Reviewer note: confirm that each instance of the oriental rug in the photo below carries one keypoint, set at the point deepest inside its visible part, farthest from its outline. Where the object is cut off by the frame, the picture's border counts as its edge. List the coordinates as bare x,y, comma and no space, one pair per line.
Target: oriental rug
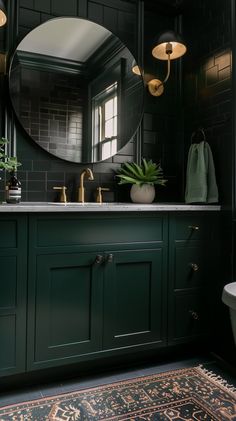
187,394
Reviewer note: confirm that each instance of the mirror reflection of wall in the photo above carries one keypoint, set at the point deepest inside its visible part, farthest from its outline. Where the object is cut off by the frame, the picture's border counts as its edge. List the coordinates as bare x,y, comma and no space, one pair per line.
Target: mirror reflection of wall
75,95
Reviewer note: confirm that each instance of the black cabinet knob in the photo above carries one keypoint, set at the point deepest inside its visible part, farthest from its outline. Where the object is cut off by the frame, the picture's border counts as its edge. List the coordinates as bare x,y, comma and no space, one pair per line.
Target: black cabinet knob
194,266
194,227
99,259
194,314
109,258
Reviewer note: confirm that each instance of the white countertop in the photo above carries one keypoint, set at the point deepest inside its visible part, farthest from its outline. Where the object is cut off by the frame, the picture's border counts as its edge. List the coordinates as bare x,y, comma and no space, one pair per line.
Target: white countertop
104,207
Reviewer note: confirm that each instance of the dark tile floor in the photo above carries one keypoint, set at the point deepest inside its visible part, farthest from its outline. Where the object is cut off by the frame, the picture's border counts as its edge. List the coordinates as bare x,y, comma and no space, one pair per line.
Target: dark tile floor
44,390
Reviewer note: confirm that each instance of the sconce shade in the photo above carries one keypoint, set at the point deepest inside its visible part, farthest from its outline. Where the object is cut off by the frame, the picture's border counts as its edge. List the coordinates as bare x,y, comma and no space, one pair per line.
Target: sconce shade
3,14
165,40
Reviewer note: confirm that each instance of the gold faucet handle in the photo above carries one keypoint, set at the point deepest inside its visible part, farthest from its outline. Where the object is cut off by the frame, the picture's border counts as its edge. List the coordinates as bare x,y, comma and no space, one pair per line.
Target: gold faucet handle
63,189
99,193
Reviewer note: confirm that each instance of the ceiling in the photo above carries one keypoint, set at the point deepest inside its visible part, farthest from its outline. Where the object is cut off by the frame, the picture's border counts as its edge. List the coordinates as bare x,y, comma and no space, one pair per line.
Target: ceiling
68,38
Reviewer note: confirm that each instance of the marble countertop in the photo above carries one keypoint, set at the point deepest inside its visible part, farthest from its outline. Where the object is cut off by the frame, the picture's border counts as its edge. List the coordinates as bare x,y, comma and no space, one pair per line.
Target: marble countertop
104,207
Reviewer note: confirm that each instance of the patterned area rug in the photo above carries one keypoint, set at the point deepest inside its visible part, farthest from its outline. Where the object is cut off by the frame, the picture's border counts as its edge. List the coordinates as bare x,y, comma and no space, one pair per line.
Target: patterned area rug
187,394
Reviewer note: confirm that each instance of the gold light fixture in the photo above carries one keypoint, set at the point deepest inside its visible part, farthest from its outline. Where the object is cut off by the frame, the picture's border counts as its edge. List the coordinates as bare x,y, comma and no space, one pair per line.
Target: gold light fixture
3,15
168,46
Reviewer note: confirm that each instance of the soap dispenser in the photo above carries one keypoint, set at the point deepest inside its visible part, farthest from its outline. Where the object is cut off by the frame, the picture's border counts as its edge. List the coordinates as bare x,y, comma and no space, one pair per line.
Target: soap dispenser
13,189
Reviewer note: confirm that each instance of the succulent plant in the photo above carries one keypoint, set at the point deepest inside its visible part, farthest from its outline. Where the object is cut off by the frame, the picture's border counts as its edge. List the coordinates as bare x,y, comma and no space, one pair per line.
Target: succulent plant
146,173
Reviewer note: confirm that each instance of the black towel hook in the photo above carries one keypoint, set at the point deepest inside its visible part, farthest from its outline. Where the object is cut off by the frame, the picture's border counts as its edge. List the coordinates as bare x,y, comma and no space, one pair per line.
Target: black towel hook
199,132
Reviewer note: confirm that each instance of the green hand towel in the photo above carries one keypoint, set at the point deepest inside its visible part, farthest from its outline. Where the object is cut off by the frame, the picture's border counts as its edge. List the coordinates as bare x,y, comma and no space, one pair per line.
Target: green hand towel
212,189
200,178
196,177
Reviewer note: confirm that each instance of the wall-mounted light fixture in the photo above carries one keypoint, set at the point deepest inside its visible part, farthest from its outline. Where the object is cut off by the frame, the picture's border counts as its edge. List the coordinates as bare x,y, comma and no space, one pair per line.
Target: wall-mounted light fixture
168,46
3,14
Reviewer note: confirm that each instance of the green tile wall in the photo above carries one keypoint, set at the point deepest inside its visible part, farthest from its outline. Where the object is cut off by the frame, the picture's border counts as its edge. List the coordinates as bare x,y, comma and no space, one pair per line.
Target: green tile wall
201,97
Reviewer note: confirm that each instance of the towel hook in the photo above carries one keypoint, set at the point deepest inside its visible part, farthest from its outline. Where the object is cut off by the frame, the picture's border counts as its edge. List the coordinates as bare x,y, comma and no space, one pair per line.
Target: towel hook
199,131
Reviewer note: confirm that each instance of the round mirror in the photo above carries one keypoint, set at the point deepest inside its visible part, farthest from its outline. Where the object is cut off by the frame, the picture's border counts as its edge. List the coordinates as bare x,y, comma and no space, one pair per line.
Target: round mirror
73,90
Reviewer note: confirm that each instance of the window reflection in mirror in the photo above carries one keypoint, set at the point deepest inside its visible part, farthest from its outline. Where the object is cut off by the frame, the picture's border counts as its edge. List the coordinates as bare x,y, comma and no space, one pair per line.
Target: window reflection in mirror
73,90
105,123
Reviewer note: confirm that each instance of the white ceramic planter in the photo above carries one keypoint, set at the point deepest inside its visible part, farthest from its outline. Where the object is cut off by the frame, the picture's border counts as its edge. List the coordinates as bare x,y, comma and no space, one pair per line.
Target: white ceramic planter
142,194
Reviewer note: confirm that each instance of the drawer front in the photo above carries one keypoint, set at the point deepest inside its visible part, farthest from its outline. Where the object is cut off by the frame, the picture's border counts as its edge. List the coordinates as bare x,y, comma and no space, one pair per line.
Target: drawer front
189,317
71,230
191,266
190,227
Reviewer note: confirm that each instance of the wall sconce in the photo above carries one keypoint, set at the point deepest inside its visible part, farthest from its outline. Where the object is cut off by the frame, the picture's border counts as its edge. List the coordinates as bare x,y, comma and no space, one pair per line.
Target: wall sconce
3,14
168,46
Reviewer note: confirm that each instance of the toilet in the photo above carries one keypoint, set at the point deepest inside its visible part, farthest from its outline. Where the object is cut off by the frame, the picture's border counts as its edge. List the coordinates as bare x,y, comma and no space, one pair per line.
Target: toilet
229,298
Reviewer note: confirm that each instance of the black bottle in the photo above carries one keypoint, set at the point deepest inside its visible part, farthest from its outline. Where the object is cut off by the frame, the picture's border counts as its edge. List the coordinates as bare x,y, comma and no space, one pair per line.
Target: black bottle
13,189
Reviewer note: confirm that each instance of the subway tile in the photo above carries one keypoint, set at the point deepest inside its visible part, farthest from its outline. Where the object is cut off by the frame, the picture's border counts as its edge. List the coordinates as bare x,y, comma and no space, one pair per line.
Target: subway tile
150,137
212,76
37,196
148,121
27,3
36,175
43,5
55,176
95,12
110,17
223,60
26,164
36,186
39,165
29,18
225,73
66,8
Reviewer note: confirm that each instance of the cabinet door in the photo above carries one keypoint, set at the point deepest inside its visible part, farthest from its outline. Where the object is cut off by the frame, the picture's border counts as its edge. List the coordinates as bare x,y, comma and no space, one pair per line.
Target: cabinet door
134,298
66,319
13,281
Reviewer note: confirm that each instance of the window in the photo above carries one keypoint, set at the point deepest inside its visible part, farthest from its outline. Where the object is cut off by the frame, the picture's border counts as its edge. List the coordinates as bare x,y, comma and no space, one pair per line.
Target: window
105,123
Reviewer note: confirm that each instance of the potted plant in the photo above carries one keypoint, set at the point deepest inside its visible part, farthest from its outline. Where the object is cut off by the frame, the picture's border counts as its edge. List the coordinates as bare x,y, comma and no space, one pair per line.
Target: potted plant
143,178
8,163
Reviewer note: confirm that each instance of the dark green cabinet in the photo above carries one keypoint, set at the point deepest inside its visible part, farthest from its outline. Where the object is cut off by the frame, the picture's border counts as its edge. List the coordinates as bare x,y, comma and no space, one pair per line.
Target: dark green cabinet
193,256
97,286
103,285
13,284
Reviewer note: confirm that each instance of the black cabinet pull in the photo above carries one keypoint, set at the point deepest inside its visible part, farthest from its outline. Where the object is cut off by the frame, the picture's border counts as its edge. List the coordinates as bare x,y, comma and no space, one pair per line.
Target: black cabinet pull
194,227
109,258
194,314
99,259
194,266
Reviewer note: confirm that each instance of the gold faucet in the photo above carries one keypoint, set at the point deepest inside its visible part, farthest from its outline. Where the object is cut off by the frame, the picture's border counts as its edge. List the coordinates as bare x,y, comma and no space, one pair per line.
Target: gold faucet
99,198
63,198
88,172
